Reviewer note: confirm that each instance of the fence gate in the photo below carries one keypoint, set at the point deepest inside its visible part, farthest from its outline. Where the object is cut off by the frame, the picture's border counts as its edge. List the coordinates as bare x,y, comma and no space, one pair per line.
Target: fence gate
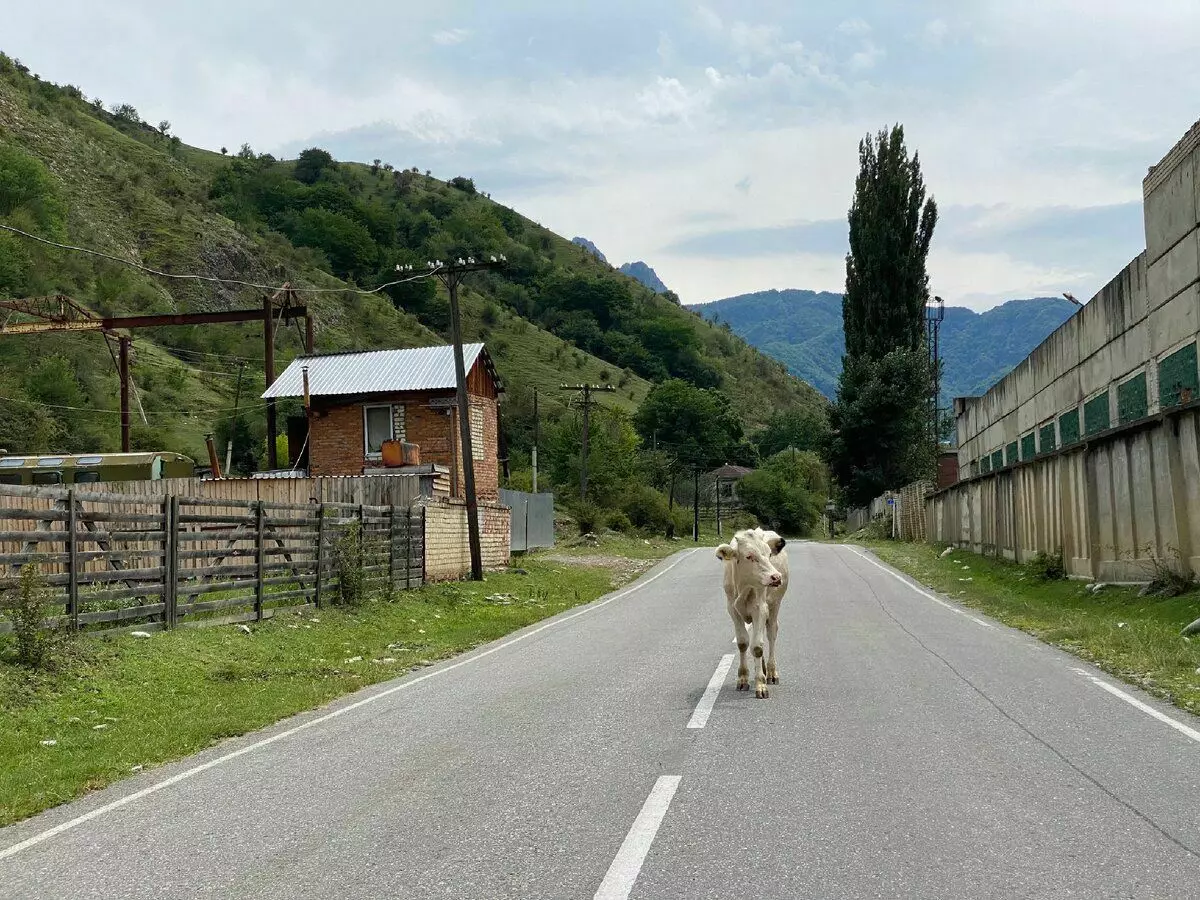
532,519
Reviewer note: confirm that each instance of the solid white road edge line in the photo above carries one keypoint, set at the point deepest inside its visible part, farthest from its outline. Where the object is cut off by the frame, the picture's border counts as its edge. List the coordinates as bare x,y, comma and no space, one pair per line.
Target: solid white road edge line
257,745
709,697
627,864
923,593
1144,707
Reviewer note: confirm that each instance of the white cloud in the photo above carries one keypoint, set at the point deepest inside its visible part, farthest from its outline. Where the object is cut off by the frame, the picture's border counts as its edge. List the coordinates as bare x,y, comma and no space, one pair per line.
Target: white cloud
854,27
867,57
935,31
451,36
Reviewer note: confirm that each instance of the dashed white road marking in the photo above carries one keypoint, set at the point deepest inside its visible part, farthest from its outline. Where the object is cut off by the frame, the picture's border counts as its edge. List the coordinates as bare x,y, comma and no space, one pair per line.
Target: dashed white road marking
627,864
923,593
709,697
1144,707
311,723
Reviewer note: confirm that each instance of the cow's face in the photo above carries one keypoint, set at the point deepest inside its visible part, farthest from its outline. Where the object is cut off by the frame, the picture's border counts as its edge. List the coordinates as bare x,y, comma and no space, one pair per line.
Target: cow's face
750,554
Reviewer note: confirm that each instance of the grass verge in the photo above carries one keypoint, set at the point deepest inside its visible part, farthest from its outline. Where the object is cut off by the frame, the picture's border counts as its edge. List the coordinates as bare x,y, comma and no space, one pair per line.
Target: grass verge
115,706
1134,638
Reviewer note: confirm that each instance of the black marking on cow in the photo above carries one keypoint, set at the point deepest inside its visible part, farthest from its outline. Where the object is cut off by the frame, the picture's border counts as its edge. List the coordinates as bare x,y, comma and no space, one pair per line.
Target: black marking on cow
758,652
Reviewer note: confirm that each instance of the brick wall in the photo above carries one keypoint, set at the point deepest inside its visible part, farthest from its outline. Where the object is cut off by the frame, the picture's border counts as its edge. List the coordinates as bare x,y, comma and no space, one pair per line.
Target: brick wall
336,439
447,550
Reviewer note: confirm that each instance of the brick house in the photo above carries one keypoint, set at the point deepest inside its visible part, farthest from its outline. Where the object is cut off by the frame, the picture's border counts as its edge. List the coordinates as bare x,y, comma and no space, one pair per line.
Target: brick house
359,400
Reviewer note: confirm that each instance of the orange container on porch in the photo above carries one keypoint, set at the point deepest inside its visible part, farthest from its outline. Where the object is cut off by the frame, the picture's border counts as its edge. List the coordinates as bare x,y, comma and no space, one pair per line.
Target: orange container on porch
400,453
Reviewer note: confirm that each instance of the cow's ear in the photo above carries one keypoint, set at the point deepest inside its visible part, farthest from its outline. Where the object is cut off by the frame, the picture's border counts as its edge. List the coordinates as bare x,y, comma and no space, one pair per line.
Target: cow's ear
775,542
725,551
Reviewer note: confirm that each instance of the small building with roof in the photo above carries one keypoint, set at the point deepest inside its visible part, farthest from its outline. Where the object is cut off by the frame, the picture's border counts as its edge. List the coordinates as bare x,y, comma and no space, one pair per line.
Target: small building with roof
360,400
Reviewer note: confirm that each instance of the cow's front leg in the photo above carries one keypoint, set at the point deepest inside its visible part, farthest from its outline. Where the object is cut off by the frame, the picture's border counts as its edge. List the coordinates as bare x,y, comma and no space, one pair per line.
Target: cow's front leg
758,626
742,635
772,639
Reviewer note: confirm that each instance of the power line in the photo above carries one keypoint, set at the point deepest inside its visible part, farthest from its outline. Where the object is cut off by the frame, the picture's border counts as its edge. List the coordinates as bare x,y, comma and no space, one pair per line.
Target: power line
116,412
211,278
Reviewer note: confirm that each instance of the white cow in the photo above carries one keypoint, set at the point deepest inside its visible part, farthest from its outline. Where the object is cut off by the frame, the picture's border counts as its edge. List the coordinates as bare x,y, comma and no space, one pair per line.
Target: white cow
756,577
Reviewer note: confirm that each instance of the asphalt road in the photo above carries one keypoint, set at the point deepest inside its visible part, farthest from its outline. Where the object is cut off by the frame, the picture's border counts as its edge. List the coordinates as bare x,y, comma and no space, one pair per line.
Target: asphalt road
912,749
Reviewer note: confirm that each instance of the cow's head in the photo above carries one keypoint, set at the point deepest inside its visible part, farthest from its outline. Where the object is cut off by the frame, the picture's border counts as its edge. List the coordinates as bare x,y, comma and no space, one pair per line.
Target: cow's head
750,553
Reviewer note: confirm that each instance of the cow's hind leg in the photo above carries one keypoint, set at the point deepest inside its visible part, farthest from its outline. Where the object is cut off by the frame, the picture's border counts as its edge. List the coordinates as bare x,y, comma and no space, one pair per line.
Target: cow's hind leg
758,616
772,639
742,636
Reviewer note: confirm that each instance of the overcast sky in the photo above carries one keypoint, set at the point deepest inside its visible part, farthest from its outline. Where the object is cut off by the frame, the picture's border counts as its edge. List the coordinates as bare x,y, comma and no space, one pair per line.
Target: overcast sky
715,141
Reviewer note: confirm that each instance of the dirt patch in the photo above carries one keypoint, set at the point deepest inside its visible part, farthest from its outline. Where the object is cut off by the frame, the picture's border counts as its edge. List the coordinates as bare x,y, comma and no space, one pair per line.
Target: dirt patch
622,568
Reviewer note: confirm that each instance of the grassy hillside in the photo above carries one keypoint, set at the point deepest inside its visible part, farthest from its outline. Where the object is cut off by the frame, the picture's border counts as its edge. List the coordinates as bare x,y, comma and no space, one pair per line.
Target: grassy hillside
73,172
803,329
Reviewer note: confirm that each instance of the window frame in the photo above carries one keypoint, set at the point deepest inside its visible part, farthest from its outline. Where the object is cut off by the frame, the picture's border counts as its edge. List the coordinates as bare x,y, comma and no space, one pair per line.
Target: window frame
391,422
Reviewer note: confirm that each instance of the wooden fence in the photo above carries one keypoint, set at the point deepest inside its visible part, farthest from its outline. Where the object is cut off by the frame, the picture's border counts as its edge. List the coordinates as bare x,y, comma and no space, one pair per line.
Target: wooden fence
113,560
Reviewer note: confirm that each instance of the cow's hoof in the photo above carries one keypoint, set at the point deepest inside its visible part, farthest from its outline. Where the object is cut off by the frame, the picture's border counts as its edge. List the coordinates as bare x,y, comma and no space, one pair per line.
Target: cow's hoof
773,679
743,686
760,691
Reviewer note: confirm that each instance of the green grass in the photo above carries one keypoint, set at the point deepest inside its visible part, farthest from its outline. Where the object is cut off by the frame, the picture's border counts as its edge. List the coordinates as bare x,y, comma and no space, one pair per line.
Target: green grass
1134,638
170,695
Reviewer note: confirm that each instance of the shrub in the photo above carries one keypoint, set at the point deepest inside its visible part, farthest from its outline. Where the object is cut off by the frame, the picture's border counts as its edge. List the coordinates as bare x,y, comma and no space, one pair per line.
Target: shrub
1169,580
24,603
348,563
586,515
1048,566
617,520
646,508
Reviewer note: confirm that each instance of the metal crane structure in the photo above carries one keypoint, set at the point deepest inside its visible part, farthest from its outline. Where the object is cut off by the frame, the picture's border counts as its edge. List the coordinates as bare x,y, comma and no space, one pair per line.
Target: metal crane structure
59,313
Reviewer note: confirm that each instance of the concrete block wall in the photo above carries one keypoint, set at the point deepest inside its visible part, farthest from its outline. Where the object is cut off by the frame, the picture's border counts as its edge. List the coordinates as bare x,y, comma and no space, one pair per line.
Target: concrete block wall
447,550
1112,501
1147,312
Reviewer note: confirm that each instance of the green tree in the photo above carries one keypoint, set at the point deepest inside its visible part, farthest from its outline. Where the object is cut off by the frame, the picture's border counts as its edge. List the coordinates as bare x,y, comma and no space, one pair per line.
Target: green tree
612,456
882,436
311,163
788,493
804,428
891,226
698,426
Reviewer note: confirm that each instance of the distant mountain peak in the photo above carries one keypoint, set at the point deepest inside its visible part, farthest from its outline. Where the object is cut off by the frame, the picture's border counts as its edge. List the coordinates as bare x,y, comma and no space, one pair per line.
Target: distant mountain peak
639,271
589,247
803,330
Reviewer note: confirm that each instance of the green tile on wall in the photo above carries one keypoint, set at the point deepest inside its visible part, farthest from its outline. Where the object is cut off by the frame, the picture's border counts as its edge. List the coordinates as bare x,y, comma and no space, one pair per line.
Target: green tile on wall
1068,427
1096,416
1131,399
1177,379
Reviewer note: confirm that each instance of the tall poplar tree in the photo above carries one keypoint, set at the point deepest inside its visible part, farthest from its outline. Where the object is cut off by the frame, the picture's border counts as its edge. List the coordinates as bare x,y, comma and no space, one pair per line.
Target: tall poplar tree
880,420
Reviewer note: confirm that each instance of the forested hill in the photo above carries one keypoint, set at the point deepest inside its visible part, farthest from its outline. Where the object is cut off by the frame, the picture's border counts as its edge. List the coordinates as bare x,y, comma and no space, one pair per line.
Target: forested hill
803,329
78,173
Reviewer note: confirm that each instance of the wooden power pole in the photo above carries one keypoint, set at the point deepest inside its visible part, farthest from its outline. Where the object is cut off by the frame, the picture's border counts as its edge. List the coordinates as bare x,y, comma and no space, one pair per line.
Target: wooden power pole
451,275
585,392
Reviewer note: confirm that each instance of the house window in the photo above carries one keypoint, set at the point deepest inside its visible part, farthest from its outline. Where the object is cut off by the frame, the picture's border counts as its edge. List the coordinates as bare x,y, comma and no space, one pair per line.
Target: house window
377,428
477,433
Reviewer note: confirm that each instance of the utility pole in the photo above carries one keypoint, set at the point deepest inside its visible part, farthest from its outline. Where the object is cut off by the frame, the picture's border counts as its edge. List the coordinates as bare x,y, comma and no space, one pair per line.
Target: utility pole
718,506
585,399
934,314
451,275
123,342
237,399
533,455
269,373
696,505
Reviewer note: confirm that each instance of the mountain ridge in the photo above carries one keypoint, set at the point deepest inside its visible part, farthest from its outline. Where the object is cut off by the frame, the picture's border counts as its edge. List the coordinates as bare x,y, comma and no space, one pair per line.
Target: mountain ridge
803,330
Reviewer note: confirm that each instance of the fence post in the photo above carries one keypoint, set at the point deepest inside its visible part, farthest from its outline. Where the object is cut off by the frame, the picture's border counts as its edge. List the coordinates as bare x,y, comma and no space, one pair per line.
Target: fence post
392,546
260,559
320,553
424,544
408,560
170,546
72,562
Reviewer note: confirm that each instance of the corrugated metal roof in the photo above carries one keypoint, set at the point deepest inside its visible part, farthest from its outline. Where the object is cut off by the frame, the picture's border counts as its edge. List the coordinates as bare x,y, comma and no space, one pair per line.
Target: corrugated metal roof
373,372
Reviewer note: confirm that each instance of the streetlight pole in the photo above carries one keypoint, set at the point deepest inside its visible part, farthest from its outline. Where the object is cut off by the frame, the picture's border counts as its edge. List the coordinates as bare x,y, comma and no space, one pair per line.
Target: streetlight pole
934,314
451,275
